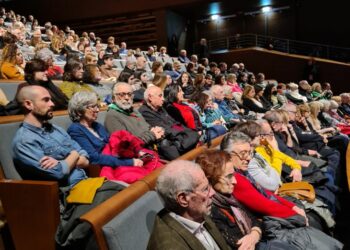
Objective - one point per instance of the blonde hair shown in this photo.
(246, 91)
(315, 109)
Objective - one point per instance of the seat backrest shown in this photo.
(8, 131)
(9, 89)
(132, 228)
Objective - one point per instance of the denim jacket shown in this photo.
(32, 143)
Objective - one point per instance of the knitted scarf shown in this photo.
(229, 203)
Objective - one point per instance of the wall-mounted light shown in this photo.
(266, 9)
(215, 17)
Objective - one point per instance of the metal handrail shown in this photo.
(279, 44)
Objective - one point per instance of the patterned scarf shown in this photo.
(230, 203)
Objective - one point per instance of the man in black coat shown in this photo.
(183, 138)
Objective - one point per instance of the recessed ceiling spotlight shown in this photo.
(266, 9)
(215, 17)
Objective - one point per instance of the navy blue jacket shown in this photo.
(94, 146)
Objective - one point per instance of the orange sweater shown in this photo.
(10, 71)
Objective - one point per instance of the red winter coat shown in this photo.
(125, 145)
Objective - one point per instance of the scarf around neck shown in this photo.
(128, 112)
(230, 203)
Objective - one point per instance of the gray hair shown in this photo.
(148, 92)
(78, 104)
(273, 116)
(214, 89)
(176, 177)
(232, 138)
(326, 105)
(44, 54)
(287, 106)
(293, 86)
(116, 85)
(333, 104)
(227, 89)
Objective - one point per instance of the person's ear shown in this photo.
(28, 104)
(182, 199)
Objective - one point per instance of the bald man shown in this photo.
(184, 222)
(178, 136)
(43, 151)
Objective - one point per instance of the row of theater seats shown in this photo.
(32, 206)
(9, 87)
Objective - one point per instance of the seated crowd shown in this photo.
(274, 133)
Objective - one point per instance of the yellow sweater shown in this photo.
(277, 159)
(70, 88)
(10, 71)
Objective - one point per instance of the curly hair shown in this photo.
(9, 53)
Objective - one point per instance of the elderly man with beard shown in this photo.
(43, 151)
(122, 116)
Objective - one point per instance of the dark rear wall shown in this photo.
(287, 68)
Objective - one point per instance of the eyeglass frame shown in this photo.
(123, 94)
(241, 157)
(206, 190)
(93, 106)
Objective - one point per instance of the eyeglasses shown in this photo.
(92, 106)
(243, 155)
(159, 95)
(267, 134)
(205, 190)
(123, 94)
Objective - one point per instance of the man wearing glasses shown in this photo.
(122, 116)
(184, 222)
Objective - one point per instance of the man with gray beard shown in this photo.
(122, 116)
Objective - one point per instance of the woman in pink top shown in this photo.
(232, 82)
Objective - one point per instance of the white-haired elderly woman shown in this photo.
(54, 72)
(293, 94)
(330, 117)
(92, 136)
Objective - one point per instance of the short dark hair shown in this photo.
(107, 56)
(35, 65)
(173, 90)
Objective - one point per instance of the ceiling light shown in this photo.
(215, 17)
(266, 9)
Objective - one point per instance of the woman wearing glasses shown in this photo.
(282, 219)
(92, 136)
(238, 226)
(266, 164)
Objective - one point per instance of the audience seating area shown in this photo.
(34, 204)
(125, 220)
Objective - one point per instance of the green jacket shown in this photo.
(171, 235)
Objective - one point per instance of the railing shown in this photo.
(280, 44)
